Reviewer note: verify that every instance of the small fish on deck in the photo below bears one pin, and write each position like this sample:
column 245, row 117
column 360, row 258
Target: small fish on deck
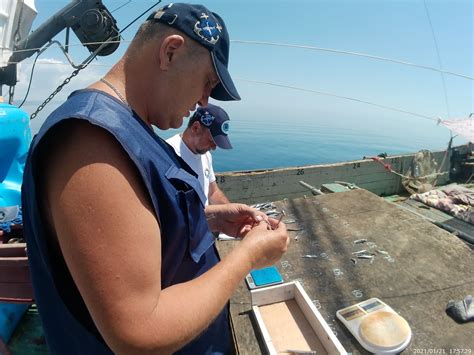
column 365, row 256
column 293, row 229
column 360, row 252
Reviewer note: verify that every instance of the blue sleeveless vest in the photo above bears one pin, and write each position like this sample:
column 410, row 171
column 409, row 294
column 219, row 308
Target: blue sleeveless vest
column 187, row 244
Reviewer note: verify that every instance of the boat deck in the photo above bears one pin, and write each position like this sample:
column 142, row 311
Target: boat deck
column 421, row 268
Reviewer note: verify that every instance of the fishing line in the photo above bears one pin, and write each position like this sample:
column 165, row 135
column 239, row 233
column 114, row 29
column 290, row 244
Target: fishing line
column 439, row 58
column 340, row 97
column 430, row 291
column 337, row 51
column 82, row 66
column 68, row 46
column 300, row 47
column 98, row 42
column 357, row 55
column 288, row 87
column 93, row 43
column 48, row 62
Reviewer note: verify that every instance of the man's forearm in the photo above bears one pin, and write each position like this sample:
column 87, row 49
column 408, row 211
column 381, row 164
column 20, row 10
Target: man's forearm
column 217, row 197
column 212, row 217
column 184, row 310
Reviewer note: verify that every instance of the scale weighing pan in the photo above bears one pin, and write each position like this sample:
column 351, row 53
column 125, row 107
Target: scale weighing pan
column 376, row 326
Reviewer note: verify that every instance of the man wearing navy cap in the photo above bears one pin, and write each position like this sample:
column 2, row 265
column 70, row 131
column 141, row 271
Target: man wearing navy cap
column 207, row 129
column 120, row 246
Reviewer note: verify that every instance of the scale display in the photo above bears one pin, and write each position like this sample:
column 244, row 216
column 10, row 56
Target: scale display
column 376, row 326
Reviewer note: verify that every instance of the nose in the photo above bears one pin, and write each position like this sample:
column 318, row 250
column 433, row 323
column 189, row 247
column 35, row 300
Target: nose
column 204, row 100
column 213, row 144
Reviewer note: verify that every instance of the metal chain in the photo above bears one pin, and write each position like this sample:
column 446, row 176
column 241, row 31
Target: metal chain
column 58, row 89
column 66, row 81
column 85, row 63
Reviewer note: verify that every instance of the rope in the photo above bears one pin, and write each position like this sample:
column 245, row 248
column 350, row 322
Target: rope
column 388, row 167
column 445, row 156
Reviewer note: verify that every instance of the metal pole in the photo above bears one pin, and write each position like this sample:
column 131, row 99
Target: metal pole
column 313, row 190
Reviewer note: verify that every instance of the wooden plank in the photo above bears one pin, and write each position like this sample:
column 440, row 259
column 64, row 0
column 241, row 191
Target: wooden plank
column 314, row 329
column 264, row 331
column 289, row 329
column 272, row 294
column 322, row 330
column 14, row 249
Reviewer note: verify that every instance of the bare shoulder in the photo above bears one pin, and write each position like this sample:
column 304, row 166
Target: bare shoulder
column 76, row 141
column 105, row 224
column 78, row 148
column 89, row 176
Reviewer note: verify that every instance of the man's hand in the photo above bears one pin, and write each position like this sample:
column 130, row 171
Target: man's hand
column 264, row 239
column 265, row 243
column 234, row 219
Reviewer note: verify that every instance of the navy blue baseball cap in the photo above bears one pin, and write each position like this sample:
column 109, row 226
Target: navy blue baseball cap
column 207, row 28
column 217, row 120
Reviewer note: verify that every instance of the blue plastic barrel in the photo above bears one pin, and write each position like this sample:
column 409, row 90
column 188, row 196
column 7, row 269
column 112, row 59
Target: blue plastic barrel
column 15, row 139
column 10, row 316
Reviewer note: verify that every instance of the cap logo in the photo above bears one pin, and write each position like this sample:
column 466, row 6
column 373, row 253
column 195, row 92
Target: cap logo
column 225, row 127
column 207, row 119
column 208, row 29
column 162, row 11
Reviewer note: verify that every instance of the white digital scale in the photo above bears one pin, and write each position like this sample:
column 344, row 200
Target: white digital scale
column 376, row 326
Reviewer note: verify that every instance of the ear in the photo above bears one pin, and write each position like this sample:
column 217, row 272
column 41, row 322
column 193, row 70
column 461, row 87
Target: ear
column 168, row 49
column 195, row 127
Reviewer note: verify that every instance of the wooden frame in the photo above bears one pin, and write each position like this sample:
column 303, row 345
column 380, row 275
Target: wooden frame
column 288, row 292
column 15, row 280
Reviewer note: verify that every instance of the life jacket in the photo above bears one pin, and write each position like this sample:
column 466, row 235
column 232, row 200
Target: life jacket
column 187, row 243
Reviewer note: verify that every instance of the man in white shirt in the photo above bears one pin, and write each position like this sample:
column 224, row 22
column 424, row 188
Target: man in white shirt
column 207, row 129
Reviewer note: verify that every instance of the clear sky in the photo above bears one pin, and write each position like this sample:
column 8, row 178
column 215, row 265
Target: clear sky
column 395, row 29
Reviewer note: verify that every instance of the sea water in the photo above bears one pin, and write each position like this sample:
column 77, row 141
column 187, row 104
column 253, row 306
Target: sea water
column 265, row 142
column 283, row 137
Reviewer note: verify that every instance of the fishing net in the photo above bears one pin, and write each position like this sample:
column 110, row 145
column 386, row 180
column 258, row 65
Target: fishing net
column 422, row 174
column 463, row 127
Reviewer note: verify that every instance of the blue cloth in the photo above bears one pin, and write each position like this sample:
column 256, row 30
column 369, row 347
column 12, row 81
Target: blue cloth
column 187, row 243
column 7, row 226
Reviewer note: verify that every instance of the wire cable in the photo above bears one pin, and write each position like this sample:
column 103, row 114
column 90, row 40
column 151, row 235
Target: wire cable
column 118, row 8
column 31, row 80
column 144, row 12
